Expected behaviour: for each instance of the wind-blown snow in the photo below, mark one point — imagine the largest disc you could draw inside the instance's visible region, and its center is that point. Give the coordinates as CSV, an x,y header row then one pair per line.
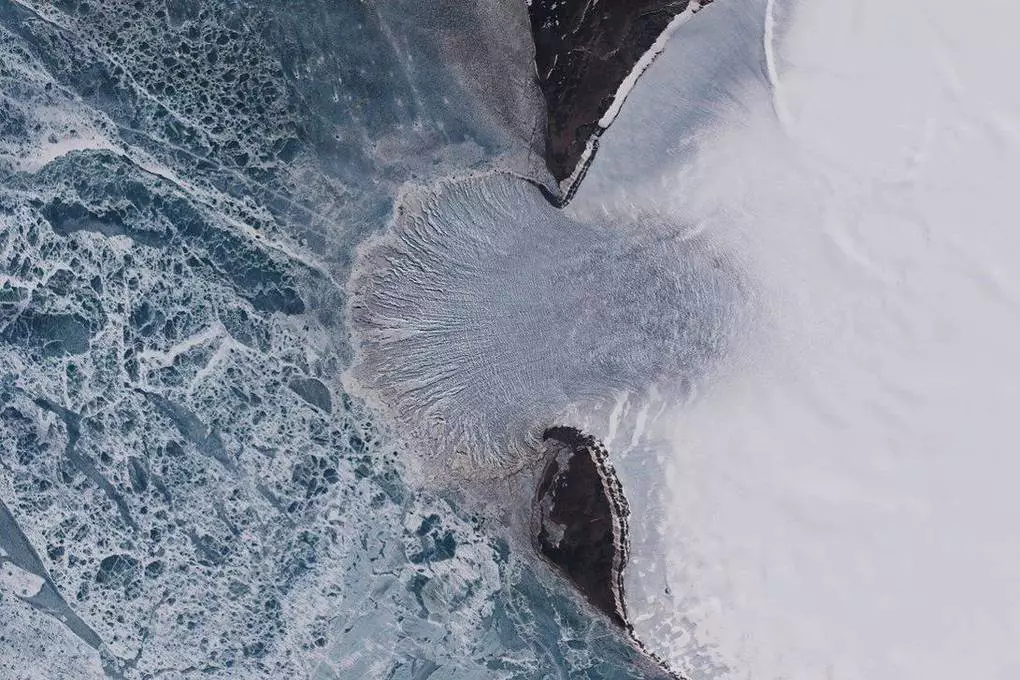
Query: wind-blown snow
x,y
842,503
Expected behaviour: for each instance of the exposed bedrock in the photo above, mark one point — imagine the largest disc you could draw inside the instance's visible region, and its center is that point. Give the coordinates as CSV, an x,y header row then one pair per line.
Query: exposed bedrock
x,y
483,314
584,51
579,519
580,525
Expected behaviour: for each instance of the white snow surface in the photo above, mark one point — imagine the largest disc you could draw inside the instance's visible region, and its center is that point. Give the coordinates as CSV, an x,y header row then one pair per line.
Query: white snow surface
x,y
841,501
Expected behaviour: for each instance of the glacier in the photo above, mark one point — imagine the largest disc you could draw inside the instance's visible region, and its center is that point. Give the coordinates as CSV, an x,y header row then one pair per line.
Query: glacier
x,y
485,315
284,314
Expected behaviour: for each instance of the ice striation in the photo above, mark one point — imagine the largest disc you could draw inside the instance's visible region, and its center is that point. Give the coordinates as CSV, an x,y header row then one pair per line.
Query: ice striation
x,y
484,314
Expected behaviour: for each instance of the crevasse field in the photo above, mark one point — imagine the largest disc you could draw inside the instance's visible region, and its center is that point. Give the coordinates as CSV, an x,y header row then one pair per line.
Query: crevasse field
x,y
279,323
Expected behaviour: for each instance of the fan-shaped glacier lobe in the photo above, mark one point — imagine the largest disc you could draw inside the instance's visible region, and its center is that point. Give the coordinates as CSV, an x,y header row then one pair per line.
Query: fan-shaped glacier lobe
x,y
483,315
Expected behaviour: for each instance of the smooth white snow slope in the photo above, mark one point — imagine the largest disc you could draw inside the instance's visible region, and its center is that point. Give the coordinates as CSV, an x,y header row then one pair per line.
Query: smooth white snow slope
x,y
842,501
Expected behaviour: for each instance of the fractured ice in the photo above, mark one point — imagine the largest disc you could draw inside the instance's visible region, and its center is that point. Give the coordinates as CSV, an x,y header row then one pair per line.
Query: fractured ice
x,y
183,473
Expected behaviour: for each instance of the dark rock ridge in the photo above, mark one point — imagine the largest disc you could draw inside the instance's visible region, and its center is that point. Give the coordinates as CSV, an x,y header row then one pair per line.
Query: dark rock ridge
x,y
579,519
579,524
584,51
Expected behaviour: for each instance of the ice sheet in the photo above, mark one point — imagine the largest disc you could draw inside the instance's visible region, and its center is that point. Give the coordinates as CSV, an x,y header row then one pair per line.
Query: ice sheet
x,y
839,503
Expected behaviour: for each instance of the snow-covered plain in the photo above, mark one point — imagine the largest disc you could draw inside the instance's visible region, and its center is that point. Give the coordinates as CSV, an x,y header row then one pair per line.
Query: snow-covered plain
x,y
839,502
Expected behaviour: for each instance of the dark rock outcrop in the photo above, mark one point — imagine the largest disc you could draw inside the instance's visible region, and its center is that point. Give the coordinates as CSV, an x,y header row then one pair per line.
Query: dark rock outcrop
x,y
579,519
584,50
